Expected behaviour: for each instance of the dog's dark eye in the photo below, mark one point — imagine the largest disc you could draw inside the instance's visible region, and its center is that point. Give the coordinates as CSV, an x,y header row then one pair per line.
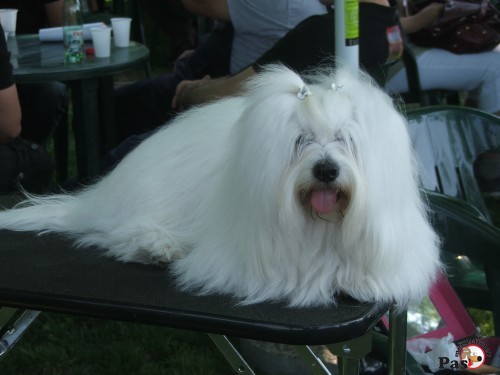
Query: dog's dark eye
x,y
302,140
339,138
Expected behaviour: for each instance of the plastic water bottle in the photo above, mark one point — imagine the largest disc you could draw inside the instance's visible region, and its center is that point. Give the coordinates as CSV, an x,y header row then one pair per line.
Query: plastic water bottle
x,y
74,49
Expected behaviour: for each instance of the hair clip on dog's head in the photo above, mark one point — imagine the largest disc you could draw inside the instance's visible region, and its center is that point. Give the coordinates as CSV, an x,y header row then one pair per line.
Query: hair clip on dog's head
x,y
303,93
337,87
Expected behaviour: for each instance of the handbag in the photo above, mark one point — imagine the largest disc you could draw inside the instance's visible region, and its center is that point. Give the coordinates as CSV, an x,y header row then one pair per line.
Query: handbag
x,y
466,26
24,165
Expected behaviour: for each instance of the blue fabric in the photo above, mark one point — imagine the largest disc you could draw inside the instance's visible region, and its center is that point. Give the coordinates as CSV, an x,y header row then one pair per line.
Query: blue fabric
x,y
259,24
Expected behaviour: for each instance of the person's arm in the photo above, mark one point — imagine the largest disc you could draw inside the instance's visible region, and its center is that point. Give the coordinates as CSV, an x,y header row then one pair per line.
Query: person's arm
x,y
93,6
10,108
53,11
189,93
422,19
10,114
215,9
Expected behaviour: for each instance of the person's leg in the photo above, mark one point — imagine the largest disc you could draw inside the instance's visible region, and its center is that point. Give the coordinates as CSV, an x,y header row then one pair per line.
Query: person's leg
x,y
42,105
440,69
144,105
212,56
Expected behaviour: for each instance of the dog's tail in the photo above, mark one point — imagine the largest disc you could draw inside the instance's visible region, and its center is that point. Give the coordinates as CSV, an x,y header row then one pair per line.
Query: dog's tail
x,y
41,214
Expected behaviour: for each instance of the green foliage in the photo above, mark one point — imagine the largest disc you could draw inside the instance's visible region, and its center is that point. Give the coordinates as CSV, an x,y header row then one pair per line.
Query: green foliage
x,y
423,319
483,320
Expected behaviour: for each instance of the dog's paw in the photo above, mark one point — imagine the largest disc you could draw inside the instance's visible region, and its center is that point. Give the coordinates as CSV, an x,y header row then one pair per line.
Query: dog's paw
x,y
157,257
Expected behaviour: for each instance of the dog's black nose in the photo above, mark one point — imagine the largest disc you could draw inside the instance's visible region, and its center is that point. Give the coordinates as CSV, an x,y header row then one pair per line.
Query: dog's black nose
x,y
326,171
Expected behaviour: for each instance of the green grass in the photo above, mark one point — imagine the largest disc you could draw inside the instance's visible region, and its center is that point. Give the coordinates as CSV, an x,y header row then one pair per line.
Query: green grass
x,y
59,344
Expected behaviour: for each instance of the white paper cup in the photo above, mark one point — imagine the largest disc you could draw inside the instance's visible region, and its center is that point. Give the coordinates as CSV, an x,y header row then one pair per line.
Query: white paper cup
x,y
101,38
121,31
8,19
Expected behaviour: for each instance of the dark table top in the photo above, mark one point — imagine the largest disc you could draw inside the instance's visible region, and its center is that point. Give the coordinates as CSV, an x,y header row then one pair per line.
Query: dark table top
x,y
36,61
48,273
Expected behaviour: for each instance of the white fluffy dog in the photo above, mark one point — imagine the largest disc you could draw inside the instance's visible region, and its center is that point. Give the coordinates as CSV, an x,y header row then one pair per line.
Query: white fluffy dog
x,y
292,192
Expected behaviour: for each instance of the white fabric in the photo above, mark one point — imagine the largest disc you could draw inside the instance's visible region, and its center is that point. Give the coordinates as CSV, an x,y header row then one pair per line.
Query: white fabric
x,y
258,24
477,73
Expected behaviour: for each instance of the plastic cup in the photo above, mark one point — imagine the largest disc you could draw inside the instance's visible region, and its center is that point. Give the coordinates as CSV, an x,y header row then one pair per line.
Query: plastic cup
x,y
8,19
101,38
121,31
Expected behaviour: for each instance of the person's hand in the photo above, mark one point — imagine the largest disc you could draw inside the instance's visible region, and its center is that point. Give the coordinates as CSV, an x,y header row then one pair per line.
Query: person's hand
x,y
186,53
429,14
183,91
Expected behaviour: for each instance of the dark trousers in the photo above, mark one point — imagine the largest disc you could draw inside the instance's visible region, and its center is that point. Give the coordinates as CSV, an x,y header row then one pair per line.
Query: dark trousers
x,y
42,105
145,105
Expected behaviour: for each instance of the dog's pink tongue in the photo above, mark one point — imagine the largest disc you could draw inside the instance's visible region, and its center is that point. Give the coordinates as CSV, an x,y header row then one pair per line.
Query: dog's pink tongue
x,y
323,201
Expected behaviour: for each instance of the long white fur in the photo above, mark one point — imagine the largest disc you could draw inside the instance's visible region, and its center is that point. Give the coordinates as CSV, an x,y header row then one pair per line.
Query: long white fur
x,y
217,193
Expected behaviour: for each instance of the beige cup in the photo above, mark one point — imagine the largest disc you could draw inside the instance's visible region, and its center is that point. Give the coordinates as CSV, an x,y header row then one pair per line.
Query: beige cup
x,y
8,19
121,31
101,39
